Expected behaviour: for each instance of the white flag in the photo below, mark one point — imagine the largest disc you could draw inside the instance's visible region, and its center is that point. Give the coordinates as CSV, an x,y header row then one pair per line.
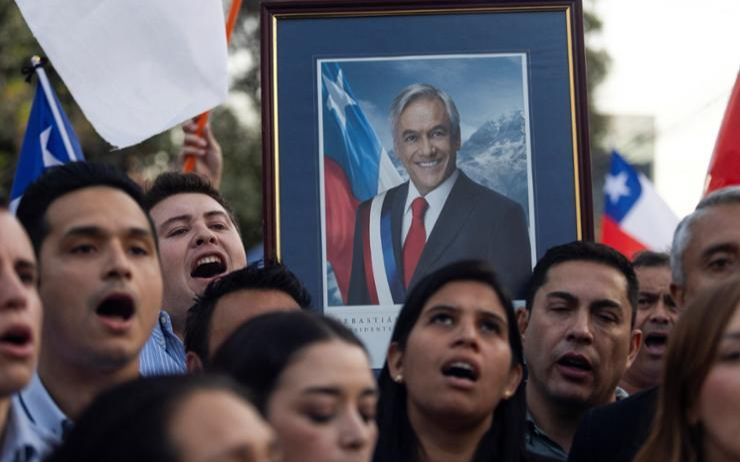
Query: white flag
x,y
135,67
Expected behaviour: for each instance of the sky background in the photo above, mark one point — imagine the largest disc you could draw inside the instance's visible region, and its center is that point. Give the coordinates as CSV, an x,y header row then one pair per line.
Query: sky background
x,y
675,60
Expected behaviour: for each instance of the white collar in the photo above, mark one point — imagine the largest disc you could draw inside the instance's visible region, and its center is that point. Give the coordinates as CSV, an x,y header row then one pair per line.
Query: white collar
x,y
435,198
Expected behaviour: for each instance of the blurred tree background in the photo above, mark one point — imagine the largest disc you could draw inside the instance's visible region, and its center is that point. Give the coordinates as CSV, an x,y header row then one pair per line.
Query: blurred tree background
x,y
236,124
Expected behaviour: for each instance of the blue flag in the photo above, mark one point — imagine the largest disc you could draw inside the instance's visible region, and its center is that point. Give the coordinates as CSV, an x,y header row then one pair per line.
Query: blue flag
x,y
49,140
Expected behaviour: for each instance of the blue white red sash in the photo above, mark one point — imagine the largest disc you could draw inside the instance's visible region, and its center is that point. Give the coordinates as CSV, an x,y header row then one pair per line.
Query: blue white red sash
x,y
382,271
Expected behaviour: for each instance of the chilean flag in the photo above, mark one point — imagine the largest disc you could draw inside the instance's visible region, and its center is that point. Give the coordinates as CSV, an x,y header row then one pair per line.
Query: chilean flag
x,y
356,168
49,139
635,217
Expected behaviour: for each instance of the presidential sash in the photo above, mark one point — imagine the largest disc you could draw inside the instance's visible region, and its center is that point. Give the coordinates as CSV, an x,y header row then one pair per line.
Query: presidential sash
x,y
382,271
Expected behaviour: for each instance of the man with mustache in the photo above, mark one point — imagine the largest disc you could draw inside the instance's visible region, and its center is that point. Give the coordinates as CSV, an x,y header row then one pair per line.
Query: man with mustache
x,y
579,339
99,281
656,315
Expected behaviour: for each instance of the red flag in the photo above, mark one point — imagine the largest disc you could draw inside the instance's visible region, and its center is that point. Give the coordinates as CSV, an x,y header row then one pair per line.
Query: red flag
x,y
341,206
724,170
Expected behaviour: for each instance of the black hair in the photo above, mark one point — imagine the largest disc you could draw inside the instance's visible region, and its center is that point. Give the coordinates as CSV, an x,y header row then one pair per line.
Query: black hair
x,y
272,276
171,183
131,422
260,350
650,259
588,252
64,179
398,441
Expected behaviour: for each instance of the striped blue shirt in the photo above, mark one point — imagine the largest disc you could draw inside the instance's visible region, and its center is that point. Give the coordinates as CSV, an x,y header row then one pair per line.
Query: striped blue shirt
x,y
163,353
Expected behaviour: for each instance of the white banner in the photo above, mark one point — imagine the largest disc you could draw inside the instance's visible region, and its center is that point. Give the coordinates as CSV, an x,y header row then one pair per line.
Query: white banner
x,y
135,67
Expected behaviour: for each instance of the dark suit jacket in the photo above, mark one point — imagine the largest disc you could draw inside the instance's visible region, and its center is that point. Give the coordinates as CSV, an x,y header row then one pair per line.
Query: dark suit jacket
x,y
475,223
616,432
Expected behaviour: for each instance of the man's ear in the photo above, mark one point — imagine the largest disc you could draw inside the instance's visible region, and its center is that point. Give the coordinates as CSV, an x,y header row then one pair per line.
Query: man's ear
x,y
522,320
194,363
395,362
678,294
635,342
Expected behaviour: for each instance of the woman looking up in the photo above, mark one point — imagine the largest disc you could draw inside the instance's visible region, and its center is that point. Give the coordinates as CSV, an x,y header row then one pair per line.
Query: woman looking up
x,y
449,390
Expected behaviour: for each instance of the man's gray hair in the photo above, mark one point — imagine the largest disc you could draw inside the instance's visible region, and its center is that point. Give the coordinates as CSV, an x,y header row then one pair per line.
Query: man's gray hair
x,y
422,90
682,235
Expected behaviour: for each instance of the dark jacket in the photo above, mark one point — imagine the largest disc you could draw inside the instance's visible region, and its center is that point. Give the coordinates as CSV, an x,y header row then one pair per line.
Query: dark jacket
x,y
615,433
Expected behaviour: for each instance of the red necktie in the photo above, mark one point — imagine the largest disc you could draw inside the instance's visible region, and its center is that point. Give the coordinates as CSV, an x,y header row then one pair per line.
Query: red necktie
x,y
415,239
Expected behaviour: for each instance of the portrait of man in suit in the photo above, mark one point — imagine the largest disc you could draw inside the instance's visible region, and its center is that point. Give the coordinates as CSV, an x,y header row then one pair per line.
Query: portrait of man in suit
x,y
438,216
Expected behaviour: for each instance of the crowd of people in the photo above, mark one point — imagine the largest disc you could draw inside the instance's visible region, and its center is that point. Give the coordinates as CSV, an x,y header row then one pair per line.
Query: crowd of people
x,y
132,328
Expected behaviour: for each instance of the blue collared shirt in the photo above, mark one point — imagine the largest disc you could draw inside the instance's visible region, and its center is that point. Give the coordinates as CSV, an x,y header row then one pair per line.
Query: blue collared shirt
x,y
163,353
41,409
24,441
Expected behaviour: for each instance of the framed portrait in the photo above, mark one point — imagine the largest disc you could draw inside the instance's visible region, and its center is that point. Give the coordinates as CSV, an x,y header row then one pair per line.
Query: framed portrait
x,y
399,137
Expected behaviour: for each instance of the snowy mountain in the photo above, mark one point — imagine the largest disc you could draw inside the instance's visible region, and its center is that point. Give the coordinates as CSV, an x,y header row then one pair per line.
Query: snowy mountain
x,y
496,156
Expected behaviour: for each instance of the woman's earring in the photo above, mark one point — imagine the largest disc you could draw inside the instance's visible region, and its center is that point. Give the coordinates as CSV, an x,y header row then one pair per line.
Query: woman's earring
x,y
398,378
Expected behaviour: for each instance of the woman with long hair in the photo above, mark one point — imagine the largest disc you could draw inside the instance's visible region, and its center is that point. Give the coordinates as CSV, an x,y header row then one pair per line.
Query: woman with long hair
x,y
698,417
310,378
449,390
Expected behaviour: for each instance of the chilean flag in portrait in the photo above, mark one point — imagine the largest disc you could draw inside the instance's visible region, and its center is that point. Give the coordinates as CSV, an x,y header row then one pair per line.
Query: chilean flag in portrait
x,y
356,168
635,217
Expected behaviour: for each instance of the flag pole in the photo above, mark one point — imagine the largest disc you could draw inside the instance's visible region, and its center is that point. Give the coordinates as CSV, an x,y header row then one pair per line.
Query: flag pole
x,y
189,165
37,65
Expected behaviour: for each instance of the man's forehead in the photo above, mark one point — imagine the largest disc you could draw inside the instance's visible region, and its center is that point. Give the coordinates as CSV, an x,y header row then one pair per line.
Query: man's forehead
x,y
653,276
715,229
259,296
96,207
584,276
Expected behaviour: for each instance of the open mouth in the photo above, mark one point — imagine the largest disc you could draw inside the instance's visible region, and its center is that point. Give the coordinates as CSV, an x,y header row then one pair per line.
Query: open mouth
x,y
656,340
17,337
116,306
575,361
460,370
208,267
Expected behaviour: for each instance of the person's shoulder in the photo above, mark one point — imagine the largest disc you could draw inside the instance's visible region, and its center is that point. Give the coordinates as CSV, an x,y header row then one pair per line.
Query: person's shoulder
x,y
486,195
615,432
639,403
389,193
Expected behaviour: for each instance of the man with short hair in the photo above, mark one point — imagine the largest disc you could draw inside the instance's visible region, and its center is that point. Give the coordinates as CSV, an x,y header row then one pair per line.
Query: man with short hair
x,y
199,242
234,299
100,283
578,340
437,217
656,315
20,338
705,252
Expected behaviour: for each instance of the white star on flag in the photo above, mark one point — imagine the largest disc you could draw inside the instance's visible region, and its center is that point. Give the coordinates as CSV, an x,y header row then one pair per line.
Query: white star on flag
x,y
339,99
47,156
616,187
